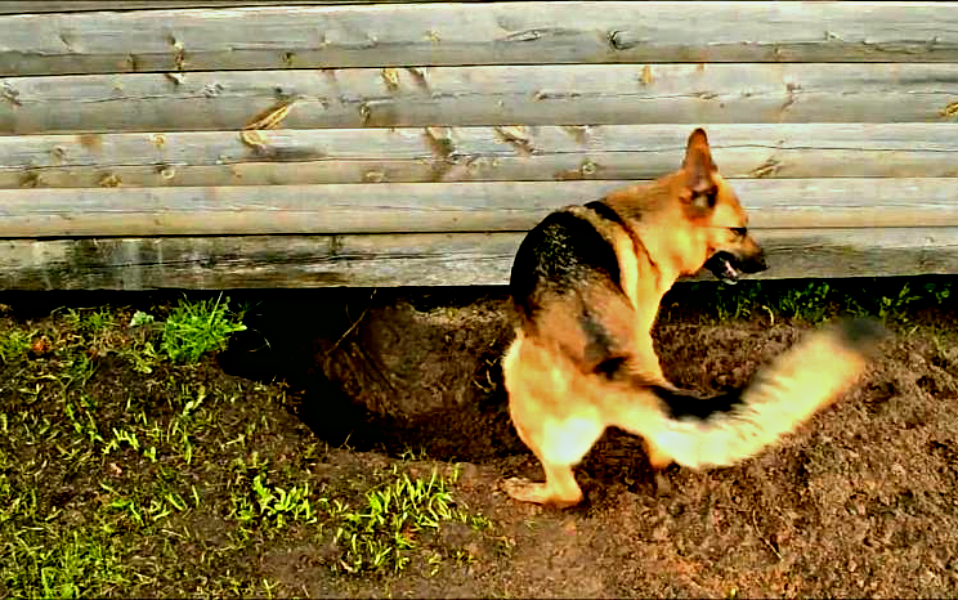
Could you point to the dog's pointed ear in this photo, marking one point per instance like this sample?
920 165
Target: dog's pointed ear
699 170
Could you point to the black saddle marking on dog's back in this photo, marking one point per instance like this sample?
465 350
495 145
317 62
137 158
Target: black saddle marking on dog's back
605 211
560 253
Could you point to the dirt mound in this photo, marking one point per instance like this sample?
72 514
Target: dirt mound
163 473
860 501
389 371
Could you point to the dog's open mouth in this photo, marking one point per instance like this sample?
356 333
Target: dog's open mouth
729 268
724 266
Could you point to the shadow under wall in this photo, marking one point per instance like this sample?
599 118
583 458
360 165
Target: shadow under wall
389 370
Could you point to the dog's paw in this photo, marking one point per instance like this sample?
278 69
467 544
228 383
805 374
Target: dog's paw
523 490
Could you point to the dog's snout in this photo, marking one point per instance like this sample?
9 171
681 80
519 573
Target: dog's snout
755 263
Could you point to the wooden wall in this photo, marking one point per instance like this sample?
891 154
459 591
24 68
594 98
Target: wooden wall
232 143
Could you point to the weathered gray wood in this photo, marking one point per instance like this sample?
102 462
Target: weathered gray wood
530 95
414 259
53 6
457 207
255 262
413 155
479 34
49 6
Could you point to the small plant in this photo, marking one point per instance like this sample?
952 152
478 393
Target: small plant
140 318
84 564
90 322
80 416
809 303
270 507
14 344
737 302
895 306
378 537
142 356
77 369
940 292
121 437
194 329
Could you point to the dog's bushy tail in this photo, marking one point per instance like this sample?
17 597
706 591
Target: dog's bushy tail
719 431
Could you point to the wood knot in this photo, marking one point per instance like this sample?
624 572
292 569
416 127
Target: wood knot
621 40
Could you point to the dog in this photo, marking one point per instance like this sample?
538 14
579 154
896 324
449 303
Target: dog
586 285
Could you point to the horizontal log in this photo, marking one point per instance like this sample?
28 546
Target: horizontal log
16 7
51 6
463 96
479 34
456 207
413 259
411 155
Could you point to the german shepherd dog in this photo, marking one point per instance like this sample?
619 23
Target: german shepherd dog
587 283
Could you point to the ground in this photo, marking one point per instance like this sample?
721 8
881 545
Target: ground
351 444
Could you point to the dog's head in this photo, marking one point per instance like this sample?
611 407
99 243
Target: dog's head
710 205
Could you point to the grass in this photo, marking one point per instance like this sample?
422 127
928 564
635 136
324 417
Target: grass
379 535
79 563
14 345
890 300
195 328
259 504
131 465
64 428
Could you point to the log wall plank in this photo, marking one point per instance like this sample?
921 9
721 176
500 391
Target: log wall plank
497 113
414 155
494 33
463 96
456 207
16 7
413 259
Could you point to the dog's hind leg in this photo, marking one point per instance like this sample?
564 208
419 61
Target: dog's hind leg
558 427
559 446
559 490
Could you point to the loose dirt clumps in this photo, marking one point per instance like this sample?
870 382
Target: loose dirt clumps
862 501
853 503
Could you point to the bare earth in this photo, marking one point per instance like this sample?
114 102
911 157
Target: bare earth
860 502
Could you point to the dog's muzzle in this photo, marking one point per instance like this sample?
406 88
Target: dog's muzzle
730 268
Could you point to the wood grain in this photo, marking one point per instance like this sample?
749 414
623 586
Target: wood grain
455 207
14 7
397 35
417 155
464 96
412 259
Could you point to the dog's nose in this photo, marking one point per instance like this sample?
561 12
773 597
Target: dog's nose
755 263
760 263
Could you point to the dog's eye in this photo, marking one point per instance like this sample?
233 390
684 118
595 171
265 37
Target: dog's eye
739 231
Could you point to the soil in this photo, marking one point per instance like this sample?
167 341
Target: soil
862 501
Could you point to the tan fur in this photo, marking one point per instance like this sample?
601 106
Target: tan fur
560 408
809 376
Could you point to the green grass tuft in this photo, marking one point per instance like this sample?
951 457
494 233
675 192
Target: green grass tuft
193 329
90 322
80 564
889 300
380 535
14 344
272 508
